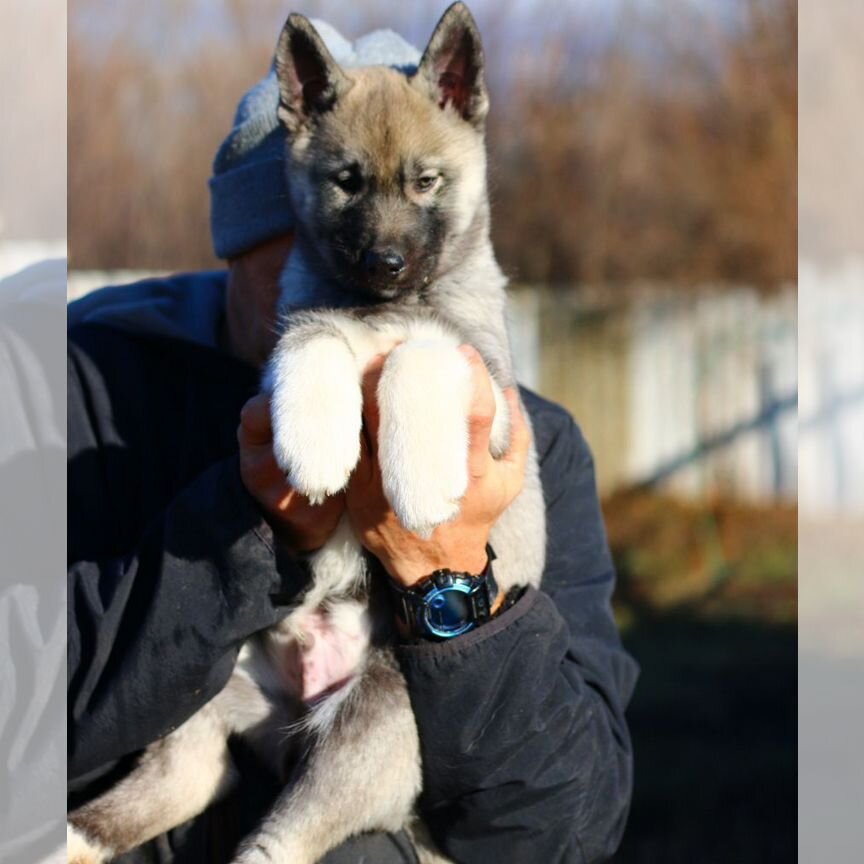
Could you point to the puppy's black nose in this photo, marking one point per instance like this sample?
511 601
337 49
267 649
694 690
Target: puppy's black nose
387 264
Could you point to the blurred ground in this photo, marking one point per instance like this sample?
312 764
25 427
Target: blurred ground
707 604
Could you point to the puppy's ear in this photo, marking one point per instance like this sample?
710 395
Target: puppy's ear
452 68
310 80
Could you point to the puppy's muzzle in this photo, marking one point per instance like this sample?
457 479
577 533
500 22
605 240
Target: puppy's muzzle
386 265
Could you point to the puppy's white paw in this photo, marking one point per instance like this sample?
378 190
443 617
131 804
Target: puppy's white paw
263 850
81 850
424 395
253 855
317 414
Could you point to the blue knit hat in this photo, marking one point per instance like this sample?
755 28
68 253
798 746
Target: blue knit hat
249 201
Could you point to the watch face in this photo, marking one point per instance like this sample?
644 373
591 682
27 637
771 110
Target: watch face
447 611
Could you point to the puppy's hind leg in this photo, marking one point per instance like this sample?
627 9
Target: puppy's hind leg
363 774
425 847
176 778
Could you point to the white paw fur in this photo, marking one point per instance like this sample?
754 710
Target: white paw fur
317 414
259 855
424 396
81 850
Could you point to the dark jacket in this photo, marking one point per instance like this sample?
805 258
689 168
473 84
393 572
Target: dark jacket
526 754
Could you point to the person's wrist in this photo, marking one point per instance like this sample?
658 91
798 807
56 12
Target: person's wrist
423 610
410 570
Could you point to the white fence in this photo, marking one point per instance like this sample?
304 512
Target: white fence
692 392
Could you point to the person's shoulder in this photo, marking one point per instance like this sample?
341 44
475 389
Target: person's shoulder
186 306
113 294
543 410
555 430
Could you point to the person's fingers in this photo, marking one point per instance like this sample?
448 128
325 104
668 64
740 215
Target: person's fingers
365 468
365 494
255 426
264 478
326 511
286 499
481 413
515 459
371 415
260 467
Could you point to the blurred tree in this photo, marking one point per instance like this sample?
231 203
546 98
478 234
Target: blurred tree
631 141
675 162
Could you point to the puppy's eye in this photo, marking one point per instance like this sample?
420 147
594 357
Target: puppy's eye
426 183
349 180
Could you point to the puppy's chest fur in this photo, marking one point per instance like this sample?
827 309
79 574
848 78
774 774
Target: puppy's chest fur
320 647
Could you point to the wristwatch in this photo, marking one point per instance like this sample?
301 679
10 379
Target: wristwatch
447 603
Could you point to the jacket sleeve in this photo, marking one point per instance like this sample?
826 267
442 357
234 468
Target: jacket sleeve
153 635
526 753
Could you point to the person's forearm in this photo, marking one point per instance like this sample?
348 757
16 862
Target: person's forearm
526 754
152 637
524 760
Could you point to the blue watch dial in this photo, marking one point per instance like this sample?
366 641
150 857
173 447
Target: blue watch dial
447 603
446 611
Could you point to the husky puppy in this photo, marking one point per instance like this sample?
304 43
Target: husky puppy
387 174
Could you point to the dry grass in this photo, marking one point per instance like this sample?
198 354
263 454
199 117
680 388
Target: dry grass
719 560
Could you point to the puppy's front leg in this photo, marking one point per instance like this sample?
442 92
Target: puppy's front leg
314 379
425 395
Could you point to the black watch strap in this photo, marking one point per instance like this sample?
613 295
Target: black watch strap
447 603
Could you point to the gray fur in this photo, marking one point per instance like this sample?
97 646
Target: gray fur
363 767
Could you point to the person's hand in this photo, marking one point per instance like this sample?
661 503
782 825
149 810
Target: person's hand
301 526
493 484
